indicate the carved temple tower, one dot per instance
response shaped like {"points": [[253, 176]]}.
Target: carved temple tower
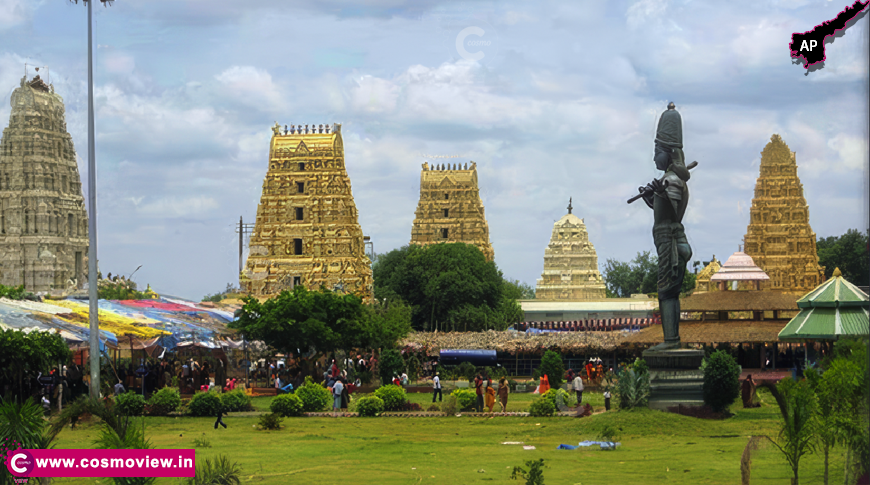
{"points": [[779, 237], [307, 231], [570, 264], [450, 209], [43, 222]]}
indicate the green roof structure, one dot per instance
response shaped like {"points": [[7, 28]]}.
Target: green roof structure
{"points": [[834, 310]]}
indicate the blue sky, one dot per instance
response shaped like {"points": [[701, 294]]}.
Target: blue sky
{"points": [[563, 103]]}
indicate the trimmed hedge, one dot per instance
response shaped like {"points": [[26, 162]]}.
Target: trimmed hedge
{"points": [[721, 381], [164, 401], [542, 407], [465, 398], [287, 405], [393, 396], [236, 400], [315, 398], [130, 403], [204, 404], [369, 406]]}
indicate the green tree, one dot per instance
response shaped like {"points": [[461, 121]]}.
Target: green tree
{"points": [[390, 365], [385, 324], [848, 252], [553, 367], [23, 355], [518, 290], [637, 276], [797, 405], [533, 476], [721, 380], [302, 320], [449, 286]]}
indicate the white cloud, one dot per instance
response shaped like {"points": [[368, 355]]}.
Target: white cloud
{"points": [[14, 12], [643, 12], [852, 151], [179, 207], [250, 84]]}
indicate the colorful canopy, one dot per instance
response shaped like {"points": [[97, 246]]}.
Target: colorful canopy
{"points": [[835, 309]]}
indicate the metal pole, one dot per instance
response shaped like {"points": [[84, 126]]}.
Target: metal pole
{"points": [[241, 235], [92, 225]]}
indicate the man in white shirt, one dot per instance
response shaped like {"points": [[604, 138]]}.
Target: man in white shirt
{"points": [[436, 384], [578, 388], [337, 388]]}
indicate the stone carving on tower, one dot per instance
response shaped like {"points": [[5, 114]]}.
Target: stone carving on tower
{"points": [[779, 237], [450, 209], [307, 231], [570, 264], [43, 222]]}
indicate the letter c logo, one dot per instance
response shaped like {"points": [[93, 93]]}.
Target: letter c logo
{"points": [[25, 467], [460, 43]]}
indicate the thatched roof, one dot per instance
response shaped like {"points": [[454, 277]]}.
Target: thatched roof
{"points": [[513, 342], [729, 331], [737, 301]]}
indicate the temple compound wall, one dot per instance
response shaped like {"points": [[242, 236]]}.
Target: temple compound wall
{"points": [[43, 222], [450, 209], [307, 230], [779, 237], [570, 264]]}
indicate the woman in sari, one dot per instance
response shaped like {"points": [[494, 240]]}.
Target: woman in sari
{"points": [[545, 384], [490, 395]]}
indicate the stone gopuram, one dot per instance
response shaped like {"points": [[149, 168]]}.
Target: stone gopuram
{"points": [[306, 232], [570, 264], [779, 237], [43, 222], [450, 209]]}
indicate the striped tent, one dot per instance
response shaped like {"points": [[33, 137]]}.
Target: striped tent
{"points": [[835, 309]]}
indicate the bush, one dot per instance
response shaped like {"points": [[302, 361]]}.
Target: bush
{"points": [[130, 403], [236, 400], [465, 370], [560, 398], [270, 421], [450, 405], [204, 404], [391, 365], [369, 406], [465, 398], [632, 388], [220, 471], [315, 398], [286, 405], [433, 408], [552, 366], [542, 407], [513, 384], [164, 401], [393, 396], [721, 381], [411, 406]]}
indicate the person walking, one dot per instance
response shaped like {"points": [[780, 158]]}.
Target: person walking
{"points": [[578, 388], [337, 388], [220, 412], [119, 388], [607, 400], [490, 394], [436, 388], [478, 390], [503, 390]]}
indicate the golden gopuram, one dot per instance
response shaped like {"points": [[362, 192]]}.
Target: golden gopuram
{"points": [[43, 222], [702, 280], [779, 237], [570, 264], [307, 231], [450, 209]]}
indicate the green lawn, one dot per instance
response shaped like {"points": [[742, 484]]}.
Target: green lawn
{"points": [[656, 448]]}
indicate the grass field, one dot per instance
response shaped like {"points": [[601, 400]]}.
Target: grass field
{"points": [[656, 448]]}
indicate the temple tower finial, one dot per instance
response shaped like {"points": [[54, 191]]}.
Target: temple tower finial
{"points": [[569, 204]]}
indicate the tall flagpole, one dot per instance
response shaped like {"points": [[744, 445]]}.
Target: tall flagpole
{"points": [[93, 308]]}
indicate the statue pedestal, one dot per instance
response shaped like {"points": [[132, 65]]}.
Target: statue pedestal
{"points": [[675, 378]]}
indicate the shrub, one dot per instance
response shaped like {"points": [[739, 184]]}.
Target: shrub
{"points": [[721, 381], [450, 405], [391, 365], [201, 443], [513, 384], [287, 405], [534, 475], [219, 471], [465, 398], [465, 370], [552, 366], [433, 408], [315, 398], [130, 403], [204, 404], [542, 407], [369, 406], [236, 400], [164, 401], [609, 433], [270, 421], [560, 398], [411, 406], [393, 397], [632, 388]]}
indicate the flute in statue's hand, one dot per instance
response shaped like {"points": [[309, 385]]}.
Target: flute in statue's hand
{"points": [[657, 185]]}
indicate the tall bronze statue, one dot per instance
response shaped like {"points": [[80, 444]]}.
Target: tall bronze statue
{"points": [[668, 198]]}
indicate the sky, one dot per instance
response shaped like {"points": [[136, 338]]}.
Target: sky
{"points": [[551, 99]]}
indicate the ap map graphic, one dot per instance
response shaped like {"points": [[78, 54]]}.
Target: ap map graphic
{"points": [[810, 46]]}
